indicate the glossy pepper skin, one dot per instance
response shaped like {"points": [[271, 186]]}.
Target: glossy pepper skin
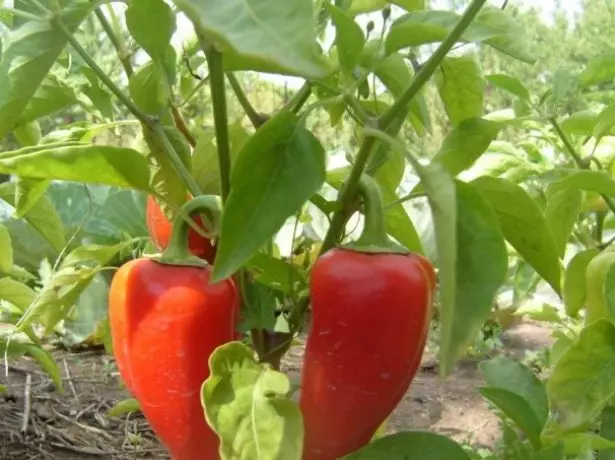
{"points": [[370, 319], [160, 228], [166, 320]]}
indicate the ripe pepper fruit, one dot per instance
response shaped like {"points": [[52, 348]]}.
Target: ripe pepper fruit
{"points": [[160, 228], [371, 307], [166, 319]]}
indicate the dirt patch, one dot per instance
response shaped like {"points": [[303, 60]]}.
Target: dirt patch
{"points": [[38, 423]]}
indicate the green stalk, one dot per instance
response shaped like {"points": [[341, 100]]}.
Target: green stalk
{"points": [[252, 114], [347, 195], [178, 251], [218, 99], [152, 123], [432, 64], [115, 41], [577, 158], [299, 98]]}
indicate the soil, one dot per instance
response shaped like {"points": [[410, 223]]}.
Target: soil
{"points": [[38, 423]]}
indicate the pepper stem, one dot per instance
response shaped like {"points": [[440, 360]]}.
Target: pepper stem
{"points": [[374, 237], [177, 251]]}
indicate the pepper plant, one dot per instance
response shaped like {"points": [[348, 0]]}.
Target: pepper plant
{"points": [[200, 329]]}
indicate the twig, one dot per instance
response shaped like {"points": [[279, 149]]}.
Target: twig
{"points": [[70, 380], [27, 406]]}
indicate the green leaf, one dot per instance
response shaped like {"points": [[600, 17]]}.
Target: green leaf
{"points": [[555, 452], [510, 84], [595, 181], [607, 431], [42, 216], [47, 363], [524, 226], [581, 122], [125, 406], [575, 443], [94, 164], [89, 310], [152, 25], [150, 90], [574, 285], [277, 274], [598, 70], [6, 250], [414, 445], [518, 392], [27, 192], [608, 290], [51, 96], [492, 26], [349, 38], [466, 143], [441, 193], [482, 263], [31, 52], [517, 409], [275, 173], [562, 211], [16, 293], [205, 160], [274, 36], [583, 379], [247, 405], [461, 86], [604, 123]]}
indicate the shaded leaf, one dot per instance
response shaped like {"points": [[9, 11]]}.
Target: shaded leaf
{"points": [[349, 38], [275, 173], [523, 225], [574, 285], [461, 86], [415, 445], [562, 211], [583, 379], [31, 51], [262, 35]]}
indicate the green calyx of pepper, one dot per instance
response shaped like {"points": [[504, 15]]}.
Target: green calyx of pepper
{"points": [[374, 238], [178, 252]]}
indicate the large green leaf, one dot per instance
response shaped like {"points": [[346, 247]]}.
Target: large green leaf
{"points": [[574, 285], [89, 163], [528, 406], [248, 405], [274, 36], [466, 143], [51, 96], [275, 173], [482, 264], [599, 69], [152, 24], [562, 213], [31, 51], [42, 216], [349, 38], [492, 26], [583, 379], [524, 226], [415, 445], [461, 86]]}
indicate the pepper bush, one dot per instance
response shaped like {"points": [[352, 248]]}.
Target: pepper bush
{"points": [[540, 210]]}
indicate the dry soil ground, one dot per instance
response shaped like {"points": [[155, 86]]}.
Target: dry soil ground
{"points": [[37, 423]]}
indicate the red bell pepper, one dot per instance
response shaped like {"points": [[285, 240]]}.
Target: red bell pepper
{"points": [[371, 307], [166, 320]]}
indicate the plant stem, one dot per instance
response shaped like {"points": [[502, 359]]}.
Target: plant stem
{"points": [[115, 41], [181, 125], [218, 99], [299, 98], [252, 114], [347, 195], [150, 122], [577, 158], [428, 69], [20, 13]]}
